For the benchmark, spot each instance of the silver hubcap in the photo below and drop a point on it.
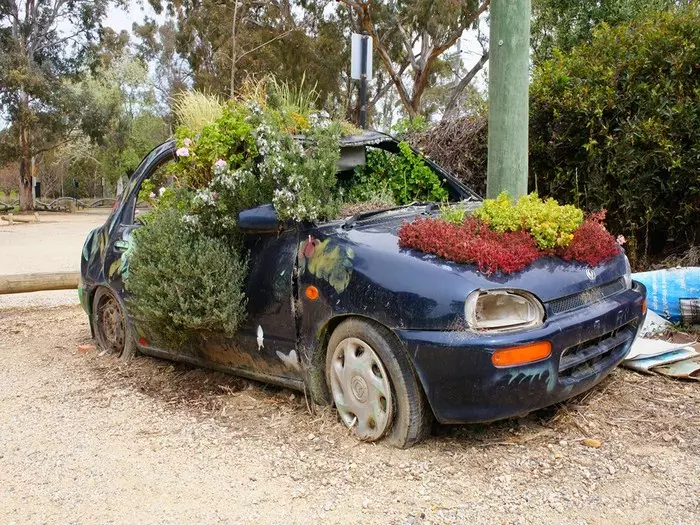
(360, 388)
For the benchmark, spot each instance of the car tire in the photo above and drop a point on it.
(399, 410)
(112, 329)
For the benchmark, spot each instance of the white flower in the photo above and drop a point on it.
(182, 152)
(206, 197)
(162, 191)
(152, 195)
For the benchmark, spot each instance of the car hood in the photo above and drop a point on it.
(375, 241)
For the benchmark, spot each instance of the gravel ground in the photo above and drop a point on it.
(84, 439)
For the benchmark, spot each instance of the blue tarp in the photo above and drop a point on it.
(673, 293)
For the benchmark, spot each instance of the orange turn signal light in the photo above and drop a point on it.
(311, 293)
(520, 355)
(644, 306)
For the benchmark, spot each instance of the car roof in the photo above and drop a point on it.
(367, 138)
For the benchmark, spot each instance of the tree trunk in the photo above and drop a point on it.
(26, 199)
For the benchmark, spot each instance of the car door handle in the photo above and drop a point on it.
(121, 245)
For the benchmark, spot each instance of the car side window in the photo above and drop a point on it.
(149, 191)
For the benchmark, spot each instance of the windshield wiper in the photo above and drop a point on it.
(350, 222)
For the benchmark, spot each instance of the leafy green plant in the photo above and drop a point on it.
(454, 213)
(182, 283)
(549, 223)
(408, 126)
(230, 138)
(404, 174)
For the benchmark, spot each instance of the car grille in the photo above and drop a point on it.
(595, 355)
(590, 296)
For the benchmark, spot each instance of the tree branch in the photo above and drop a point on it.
(460, 87)
(263, 44)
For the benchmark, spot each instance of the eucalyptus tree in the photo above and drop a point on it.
(42, 44)
(413, 36)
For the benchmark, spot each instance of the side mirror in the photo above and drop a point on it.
(263, 219)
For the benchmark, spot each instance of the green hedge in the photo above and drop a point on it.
(616, 124)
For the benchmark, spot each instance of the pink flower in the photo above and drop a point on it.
(188, 143)
(214, 195)
(621, 240)
(221, 163)
(182, 152)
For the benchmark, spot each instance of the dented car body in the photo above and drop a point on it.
(483, 347)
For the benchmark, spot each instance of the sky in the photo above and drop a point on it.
(119, 18)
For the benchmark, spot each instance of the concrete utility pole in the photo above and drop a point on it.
(509, 51)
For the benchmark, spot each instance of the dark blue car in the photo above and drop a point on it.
(394, 338)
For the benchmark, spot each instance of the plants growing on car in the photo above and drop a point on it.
(505, 235)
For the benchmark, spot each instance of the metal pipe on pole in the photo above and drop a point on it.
(509, 52)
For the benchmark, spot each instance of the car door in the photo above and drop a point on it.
(265, 345)
(120, 229)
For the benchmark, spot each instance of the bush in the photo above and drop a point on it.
(181, 283)
(614, 124)
(471, 242)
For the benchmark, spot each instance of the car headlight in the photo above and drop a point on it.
(628, 274)
(502, 310)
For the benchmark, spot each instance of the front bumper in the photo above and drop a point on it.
(462, 384)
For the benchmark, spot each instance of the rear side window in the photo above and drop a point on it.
(149, 191)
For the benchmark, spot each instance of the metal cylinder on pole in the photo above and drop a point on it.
(509, 52)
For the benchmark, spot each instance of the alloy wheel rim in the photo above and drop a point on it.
(361, 389)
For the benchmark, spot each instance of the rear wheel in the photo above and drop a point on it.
(111, 325)
(373, 385)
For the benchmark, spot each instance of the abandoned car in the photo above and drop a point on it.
(393, 337)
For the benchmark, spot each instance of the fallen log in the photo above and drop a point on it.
(38, 282)
(20, 218)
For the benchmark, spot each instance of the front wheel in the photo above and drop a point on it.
(111, 325)
(374, 387)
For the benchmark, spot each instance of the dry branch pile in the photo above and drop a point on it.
(460, 146)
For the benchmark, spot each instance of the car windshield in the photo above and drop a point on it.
(388, 175)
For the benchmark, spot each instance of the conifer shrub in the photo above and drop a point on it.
(182, 283)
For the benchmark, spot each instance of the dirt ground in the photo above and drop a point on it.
(84, 439)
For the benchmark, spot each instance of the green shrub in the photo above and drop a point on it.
(614, 124)
(550, 224)
(229, 137)
(181, 283)
(404, 174)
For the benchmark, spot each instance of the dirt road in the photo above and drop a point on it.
(84, 440)
(52, 245)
